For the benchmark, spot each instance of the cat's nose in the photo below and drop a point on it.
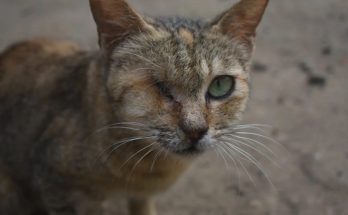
(194, 134)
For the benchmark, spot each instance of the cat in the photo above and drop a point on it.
(129, 118)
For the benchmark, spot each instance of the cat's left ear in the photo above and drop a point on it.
(116, 21)
(240, 21)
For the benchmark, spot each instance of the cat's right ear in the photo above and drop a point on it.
(116, 20)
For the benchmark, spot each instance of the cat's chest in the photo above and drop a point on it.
(152, 182)
(148, 177)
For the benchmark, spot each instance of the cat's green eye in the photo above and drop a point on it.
(221, 87)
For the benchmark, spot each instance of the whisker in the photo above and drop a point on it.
(128, 123)
(233, 127)
(262, 136)
(257, 134)
(155, 158)
(124, 125)
(142, 149)
(257, 142)
(255, 149)
(238, 149)
(139, 160)
(241, 164)
(220, 150)
(233, 160)
(119, 144)
(215, 148)
(249, 157)
(249, 127)
(120, 127)
(147, 153)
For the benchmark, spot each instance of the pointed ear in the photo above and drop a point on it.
(241, 20)
(115, 21)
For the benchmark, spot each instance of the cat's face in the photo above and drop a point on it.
(181, 82)
(185, 86)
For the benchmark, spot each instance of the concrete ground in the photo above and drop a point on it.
(299, 86)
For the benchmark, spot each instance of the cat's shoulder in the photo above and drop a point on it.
(36, 50)
(37, 64)
(26, 56)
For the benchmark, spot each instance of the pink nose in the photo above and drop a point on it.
(194, 134)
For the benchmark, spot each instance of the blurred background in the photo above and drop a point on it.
(299, 86)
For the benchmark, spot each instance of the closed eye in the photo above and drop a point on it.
(165, 91)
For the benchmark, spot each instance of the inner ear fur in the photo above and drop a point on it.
(116, 20)
(241, 20)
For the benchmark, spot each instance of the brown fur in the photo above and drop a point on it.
(59, 106)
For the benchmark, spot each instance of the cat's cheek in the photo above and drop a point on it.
(233, 109)
(136, 105)
(136, 111)
(241, 88)
(227, 112)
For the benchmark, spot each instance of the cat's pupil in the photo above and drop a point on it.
(218, 84)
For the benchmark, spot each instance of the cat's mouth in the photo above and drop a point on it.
(186, 147)
(191, 150)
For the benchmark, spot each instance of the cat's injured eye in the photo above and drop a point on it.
(164, 90)
(221, 87)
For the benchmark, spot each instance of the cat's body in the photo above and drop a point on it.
(65, 114)
(62, 96)
(51, 102)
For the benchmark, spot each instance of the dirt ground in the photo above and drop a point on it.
(299, 86)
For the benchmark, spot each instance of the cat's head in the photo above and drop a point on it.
(181, 81)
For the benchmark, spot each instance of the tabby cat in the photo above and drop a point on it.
(128, 119)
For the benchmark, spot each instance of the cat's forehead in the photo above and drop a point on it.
(174, 24)
(183, 53)
(194, 37)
